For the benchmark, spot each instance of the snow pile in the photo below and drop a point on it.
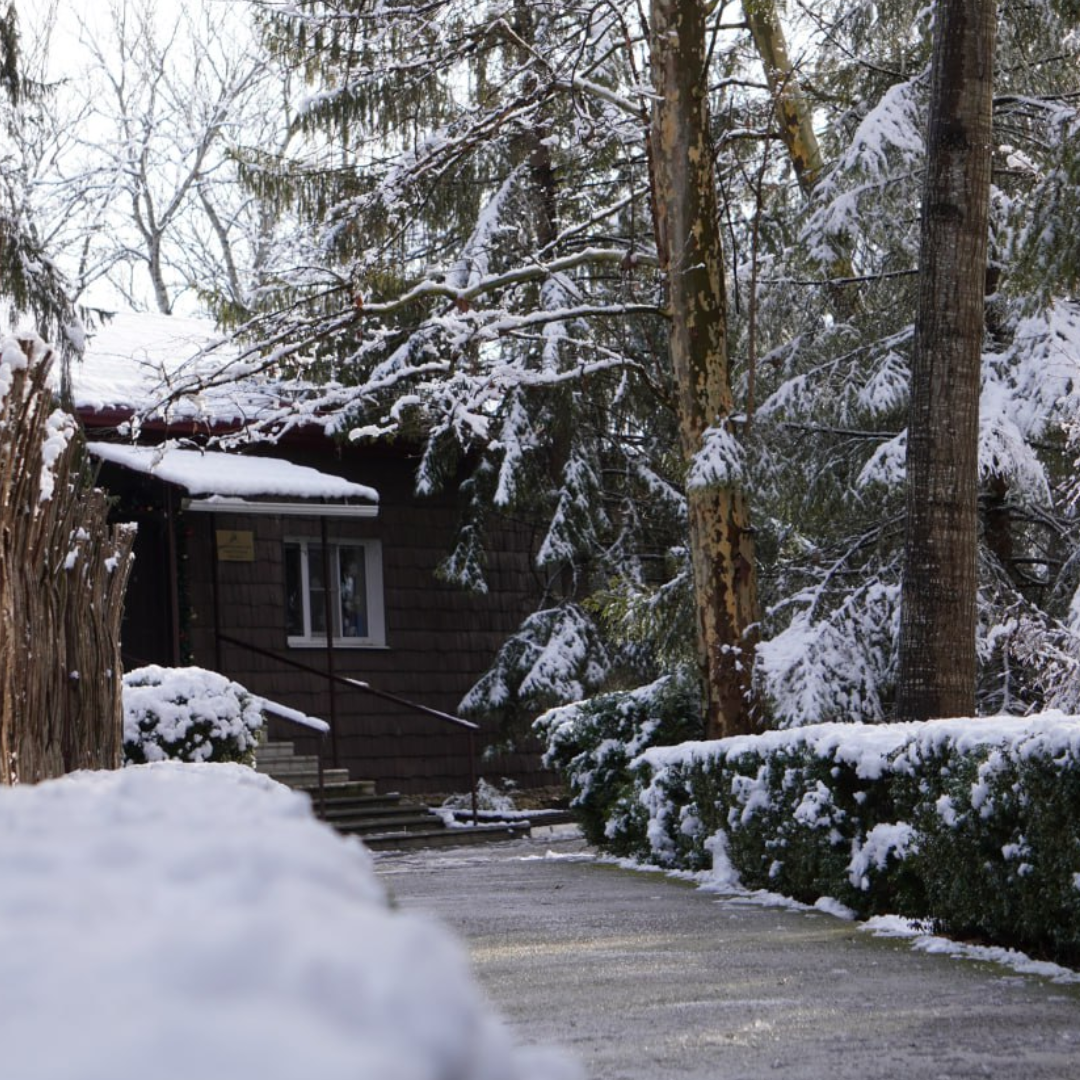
(173, 921)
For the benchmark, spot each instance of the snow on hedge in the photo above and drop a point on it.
(171, 921)
(872, 749)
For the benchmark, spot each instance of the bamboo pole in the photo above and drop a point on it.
(63, 573)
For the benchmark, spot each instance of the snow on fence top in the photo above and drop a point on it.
(171, 921)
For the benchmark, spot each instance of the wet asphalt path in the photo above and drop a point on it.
(648, 978)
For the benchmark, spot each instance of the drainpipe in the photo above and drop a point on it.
(327, 593)
(174, 575)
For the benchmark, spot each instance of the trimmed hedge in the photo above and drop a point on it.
(972, 826)
(592, 743)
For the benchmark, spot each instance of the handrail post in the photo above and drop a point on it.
(472, 775)
(328, 594)
(322, 785)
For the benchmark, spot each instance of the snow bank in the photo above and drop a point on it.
(176, 921)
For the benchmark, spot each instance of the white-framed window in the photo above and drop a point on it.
(354, 597)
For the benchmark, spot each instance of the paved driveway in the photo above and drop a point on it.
(648, 978)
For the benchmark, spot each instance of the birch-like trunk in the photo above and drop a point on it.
(684, 191)
(938, 613)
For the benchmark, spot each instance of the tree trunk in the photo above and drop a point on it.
(938, 613)
(721, 542)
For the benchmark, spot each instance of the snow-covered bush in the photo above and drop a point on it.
(592, 742)
(796, 809)
(970, 825)
(999, 837)
(189, 714)
(489, 798)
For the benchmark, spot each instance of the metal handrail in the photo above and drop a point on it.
(268, 706)
(366, 688)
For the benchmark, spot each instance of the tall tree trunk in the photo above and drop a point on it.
(938, 613)
(721, 542)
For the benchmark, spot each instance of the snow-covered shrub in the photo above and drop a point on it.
(999, 839)
(489, 798)
(591, 744)
(189, 714)
(793, 808)
(970, 825)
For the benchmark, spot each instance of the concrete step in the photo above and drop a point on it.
(340, 804)
(274, 750)
(404, 822)
(306, 781)
(344, 789)
(390, 821)
(288, 766)
(556, 816)
(480, 834)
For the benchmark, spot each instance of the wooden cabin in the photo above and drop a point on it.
(245, 559)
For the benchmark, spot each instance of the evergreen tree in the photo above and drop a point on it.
(832, 424)
(31, 286)
(485, 282)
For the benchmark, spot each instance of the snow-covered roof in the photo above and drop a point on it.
(236, 476)
(135, 362)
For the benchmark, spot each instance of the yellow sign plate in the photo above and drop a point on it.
(235, 546)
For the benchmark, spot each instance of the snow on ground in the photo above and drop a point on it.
(895, 927)
(172, 921)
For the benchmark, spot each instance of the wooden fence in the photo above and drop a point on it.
(63, 572)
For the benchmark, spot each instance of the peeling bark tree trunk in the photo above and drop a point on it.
(794, 117)
(721, 543)
(792, 109)
(938, 612)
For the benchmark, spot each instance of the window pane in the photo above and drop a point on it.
(294, 585)
(353, 592)
(317, 590)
